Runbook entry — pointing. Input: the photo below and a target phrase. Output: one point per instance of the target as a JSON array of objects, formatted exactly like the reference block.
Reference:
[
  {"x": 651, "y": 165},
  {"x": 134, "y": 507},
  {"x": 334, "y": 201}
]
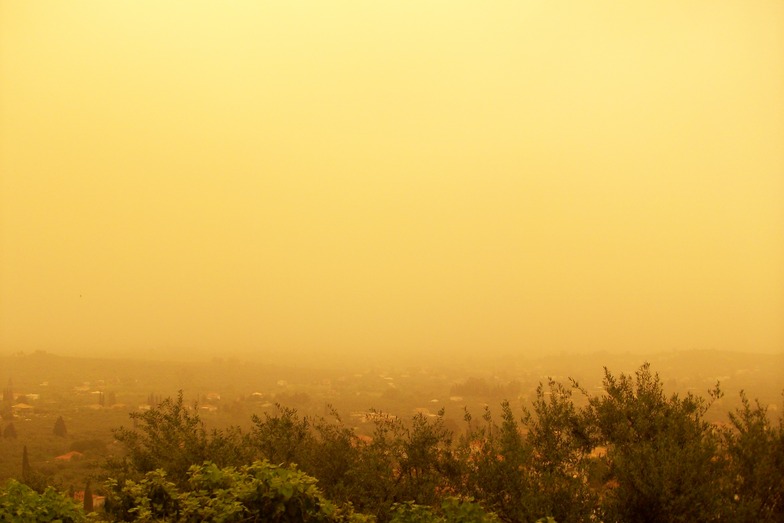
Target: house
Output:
[
  {"x": 21, "y": 408},
  {"x": 362, "y": 439},
  {"x": 424, "y": 412},
  {"x": 70, "y": 456}
]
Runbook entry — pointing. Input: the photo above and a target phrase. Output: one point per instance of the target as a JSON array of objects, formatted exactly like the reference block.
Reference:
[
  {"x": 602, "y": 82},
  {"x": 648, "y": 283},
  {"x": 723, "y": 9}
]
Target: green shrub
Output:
[
  {"x": 257, "y": 492},
  {"x": 453, "y": 510},
  {"x": 19, "y": 503}
]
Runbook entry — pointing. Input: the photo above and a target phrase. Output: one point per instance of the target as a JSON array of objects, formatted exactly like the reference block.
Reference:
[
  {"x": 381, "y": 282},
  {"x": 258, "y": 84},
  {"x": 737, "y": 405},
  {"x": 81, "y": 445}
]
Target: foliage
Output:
[
  {"x": 281, "y": 438},
  {"x": 332, "y": 453},
  {"x": 323, "y": 448},
  {"x": 26, "y": 470},
  {"x": 558, "y": 471},
  {"x": 88, "y": 498},
  {"x": 492, "y": 459},
  {"x": 10, "y": 431},
  {"x": 521, "y": 477},
  {"x": 410, "y": 512},
  {"x": 630, "y": 453},
  {"x": 19, "y": 503},
  {"x": 452, "y": 510},
  {"x": 401, "y": 463},
  {"x": 662, "y": 454},
  {"x": 257, "y": 492},
  {"x": 59, "y": 428},
  {"x": 427, "y": 459},
  {"x": 172, "y": 437},
  {"x": 756, "y": 453}
]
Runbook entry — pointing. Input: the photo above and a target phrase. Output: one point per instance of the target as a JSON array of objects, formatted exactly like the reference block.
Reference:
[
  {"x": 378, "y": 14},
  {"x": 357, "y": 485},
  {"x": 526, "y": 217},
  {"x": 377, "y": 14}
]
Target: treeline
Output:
[{"x": 631, "y": 453}]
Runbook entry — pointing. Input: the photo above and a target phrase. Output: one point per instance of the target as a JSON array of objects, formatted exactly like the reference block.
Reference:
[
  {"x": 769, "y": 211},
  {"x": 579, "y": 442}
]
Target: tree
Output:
[
  {"x": 331, "y": 456},
  {"x": 88, "y": 498},
  {"x": 59, "y": 427},
  {"x": 400, "y": 463},
  {"x": 452, "y": 510},
  {"x": 172, "y": 437},
  {"x": 283, "y": 437},
  {"x": 10, "y": 431},
  {"x": 662, "y": 454},
  {"x": 26, "y": 471},
  {"x": 525, "y": 477},
  {"x": 8, "y": 392},
  {"x": 32, "y": 478},
  {"x": 19, "y": 502},
  {"x": 559, "y": 459},
  {"x": 663, "y": 462},
  {"x": 427, "y": 461},
  {"x": 756, "y": 463},
  {"x": 8, "y": 399},
  {"x": 257, "y": 492},
  {"x": 403, "y": 462}
]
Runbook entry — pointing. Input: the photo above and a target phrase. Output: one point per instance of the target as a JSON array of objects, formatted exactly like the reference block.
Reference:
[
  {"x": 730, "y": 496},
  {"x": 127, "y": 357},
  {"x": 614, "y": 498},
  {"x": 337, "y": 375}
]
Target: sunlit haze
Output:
[{"x": 394, "y": 179}]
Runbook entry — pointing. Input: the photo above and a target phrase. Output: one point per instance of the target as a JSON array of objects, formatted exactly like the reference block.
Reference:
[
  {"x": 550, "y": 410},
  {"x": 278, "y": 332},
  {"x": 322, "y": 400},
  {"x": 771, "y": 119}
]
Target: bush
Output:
[
  {"x": 659, "y": 460},
  {"x": 59, "y": 428},
  {"x": 172, "y": 437},
  {"x": 755, "y": 448},
  {"x": 20, "y": 503},
  {"x": 663, "y": 456},
  {"x": 257, "y": 492},
  {"x": 452, "y": 510}
]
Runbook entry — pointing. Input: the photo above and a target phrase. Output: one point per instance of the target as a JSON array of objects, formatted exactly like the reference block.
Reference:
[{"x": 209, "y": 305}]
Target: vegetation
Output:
[
  {"x": 172, "y": 437},
  {"x": 257, "y": 492},
  {"x": 628, "y": 453},
  {"x": 755, "y": 458},
  {"x": 59, "y": 428},
  {"x": 10, "y": 431},
  {"x": 19, "y": 503}
]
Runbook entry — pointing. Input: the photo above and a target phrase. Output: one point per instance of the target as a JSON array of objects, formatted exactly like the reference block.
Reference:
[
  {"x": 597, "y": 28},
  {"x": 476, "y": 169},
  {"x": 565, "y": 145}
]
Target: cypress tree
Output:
[
  {"x": 10, "y": 431},
  {"x": 8, "y": 399},
  {"x": 8, "y": 392},
  {"x": 59, "y": 427},
  {"x": 88, "y": 498},
  {"x": 25, "y": 466}
]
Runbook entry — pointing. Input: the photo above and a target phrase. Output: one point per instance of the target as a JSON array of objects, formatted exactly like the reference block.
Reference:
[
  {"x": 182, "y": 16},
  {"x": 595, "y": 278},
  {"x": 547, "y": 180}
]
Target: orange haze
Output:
[{"x": 391, "y": 178}]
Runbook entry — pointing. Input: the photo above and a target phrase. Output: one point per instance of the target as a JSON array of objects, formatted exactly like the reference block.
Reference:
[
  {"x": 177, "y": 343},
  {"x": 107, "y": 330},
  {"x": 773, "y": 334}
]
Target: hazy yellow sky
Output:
[{"x": 379, "y": 177}]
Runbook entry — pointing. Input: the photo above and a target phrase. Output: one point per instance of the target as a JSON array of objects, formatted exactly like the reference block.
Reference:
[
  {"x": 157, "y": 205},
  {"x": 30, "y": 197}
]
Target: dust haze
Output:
[{"x": 338, "y": 185}]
